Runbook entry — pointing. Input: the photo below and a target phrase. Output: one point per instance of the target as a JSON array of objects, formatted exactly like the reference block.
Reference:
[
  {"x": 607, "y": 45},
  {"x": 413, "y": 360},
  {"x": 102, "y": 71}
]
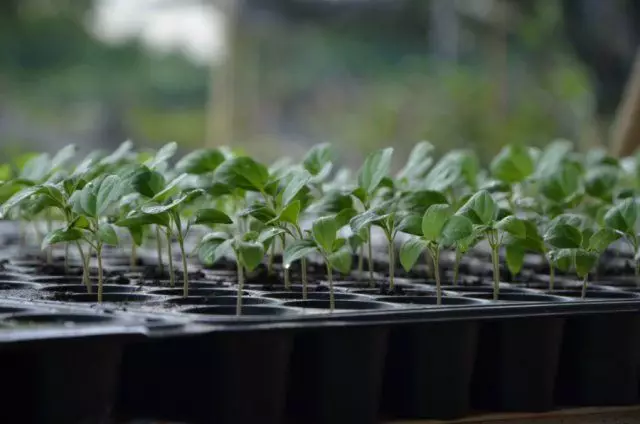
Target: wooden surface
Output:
[{"x": 616, "y": 415}]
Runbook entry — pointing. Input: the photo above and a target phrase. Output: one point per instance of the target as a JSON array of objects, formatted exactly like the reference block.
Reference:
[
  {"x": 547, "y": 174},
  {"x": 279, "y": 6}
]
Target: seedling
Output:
[
  {"x": 622, "y": 218},
  {"x": 440, "y": 227},
  {"x": 483, "y": 212},
  {"x": 323, "y": 240},
  {"x": 577, "y": 244}
]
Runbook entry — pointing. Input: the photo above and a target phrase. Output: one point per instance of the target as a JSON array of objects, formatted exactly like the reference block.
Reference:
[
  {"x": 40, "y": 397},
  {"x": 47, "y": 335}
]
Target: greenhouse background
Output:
[{"x": 275, "y": 77}]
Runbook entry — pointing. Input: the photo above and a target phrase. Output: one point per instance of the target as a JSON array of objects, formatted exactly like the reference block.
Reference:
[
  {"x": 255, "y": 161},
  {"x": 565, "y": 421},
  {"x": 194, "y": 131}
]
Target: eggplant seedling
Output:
[
  {"x": 323, "y": 240},
  {"x": 576, "y": 244},
  {"x": 483, "y": 212},
  {"x": 440, "y": 227},
  {"x": 622, "y": 218}
]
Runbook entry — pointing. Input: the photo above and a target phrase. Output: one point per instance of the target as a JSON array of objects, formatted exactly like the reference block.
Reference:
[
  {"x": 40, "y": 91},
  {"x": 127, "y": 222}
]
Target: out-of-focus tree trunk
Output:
[
  {"x": 626, "y": 130},
  {"x": 222, "y": 97}
]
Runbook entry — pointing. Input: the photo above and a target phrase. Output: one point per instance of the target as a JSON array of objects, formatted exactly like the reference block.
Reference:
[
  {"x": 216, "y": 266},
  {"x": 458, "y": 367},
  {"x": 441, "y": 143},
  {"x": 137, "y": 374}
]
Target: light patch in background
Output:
[{"x": 187, "y": 25}]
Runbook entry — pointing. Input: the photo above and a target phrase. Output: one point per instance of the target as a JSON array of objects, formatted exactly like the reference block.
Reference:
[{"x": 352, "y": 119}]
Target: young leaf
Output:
[
  {"x": 147, "y": 182},
  {"x": 584, "y": 262},
  {"x": 563, "y": 236},
  {"x": 138, "y": 219},
  {"x": 563, "y": 259},
  {"x": 107, "y": 234},
  {"x": 137, "y": 235},
  {"x": 515, "y": 258},
  {"x": 552, "y": 157},
  {"x": 562, "y": 184},
  {"x": 200, "y": 161},
  {"x": 363, "y": 220},
  {"x": 211, "y": 217},
  {"x": 623, "y": 217},
  {"x": 36, "y": 168},
  {"x": 108, "y": 192},
  {"x": 18, "y": 198},
  {"x": 512, "y": 165},
  {"x": 419, "y": 201},
  {"x": 165, "y": 153},
  {"x": 251, "y": 253},
  {"x": 213, "y": 247},
  {"x": 119, "y": 154},
  {"x": 63, "y": 156},
  {"x": 481, "y": 209},
  {"x": 374, "y": 169},
  {"x": 242, "y": 173},
  {"x": 297, "y": 181},
  {"x": 324, "y": 232},
  {"x": 318, "y": 160},
  {"x": 601, "y": 180},
  {"x": 433, "y": 221},
  {"x": 418, "y": 163},
  {"x": 62, "y": 235},
  {"x": 456, "y": 228},
  {"x": 170, "y": 190},
  {"x": 341, "y": 260},
  {"x": 601, "y": 239},
  {"x": 184, "y": 198},
  {"x": 513, "y": 226},
  {"x": 298, "y": 250},
  {"x": 410, "y": 251},
  {"x": 290, "y": 213}
]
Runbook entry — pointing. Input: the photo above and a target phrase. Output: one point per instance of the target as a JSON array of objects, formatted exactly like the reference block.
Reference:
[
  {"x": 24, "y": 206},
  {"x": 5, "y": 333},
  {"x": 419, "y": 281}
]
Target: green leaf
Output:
[
  {"x": 165, "y": 153},
  {"x": 251, "y": 253},
  {"x": 266, "y": 236},
  {"x": 365, "y": 219},
  {"x": 261, "y": 212},
  {"x": 297, "y": 181},
  {"x": 345, "y": 216},
  {"x": 481, "y": 209},
  {"x": 242, "y": 173},
  {"x": 563, "y": 259},
  {"x": 213, "y": 247},
  {"x": 37, "y": 168},
  {"x": 411, "y": 224},
  {"x": 324, "y": 232},
  {"x": 513, "y": 226},
  {"x": 200, "y": 161},
  {"x": 18, "y": 198},
  {"x": 455, "y": 168},
  {"x": 410, "y": 251},
  {"x": 551, "y": 159},
  {"x": 62, "y": 235},
  {"x": 211, "y": 216},
  {"x": 109, "y": 191},
  {"x": 601, "y": 239},
  {"x": 512, "y": 165},
  {"x": 374, "y": 169},
  {"x": 434, "y": 220},
  {"x": 119, "y": 154},
  {"x": 418, "y": 163},
  {"x": 563, "y": 236},
  {"x": 623, "y": 217},
  {"x": 137, "y": 235},
  {"x": 318, "y": 160},
  {"x": 139, "y": 219},
  {"x": 515, "y": 258},
  {"x": 601, "y": 181},
  {"x": 341, "y": 260},
  {"x": 182, "y": 200},
  {"x": 455, "y": 229},
  {"x": 63, "y": 156},
  {"x": 170, "y": 190},
  {"x": 419, "y": 201},
  {"x": 562, "y": 184},
  {"x": 290, "y": 213},
  {"x": 584, "y": 262},
  {"x": 107, "y": 235},
  {"x": 83, "y": 202},
  {"x": 297, "y": 250},
  {"x": 147, "y": 182}
]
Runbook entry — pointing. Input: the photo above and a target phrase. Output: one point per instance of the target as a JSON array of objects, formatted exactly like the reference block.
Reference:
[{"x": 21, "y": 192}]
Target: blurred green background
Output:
[{"x": 274, "y": 77}]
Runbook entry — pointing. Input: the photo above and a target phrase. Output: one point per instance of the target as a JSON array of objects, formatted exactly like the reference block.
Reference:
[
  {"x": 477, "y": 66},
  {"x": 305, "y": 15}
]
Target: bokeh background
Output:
[{"x": 274, "y": 77}]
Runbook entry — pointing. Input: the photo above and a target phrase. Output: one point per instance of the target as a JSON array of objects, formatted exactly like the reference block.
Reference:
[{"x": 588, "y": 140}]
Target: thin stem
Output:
[
  {"x": 85, "y": 268},
  {"x": 172, "y": 276},
  {"x": 272, "y": 252},
  {"x": 584, "y": 286},
  {"x": 392, "y": 264},
  {"x": 287, "y": 280},
  {"x": 552, "y": 276},
  {"x": 240, "y": 289},
  {"x": 66, "y": 258},
  {"x": 305, "y": 287},
  {"x": 332, "y": 299},
  {"x": 370, "y": 257},
  {"x": 159, "y": 250},
  {"x": 185, "y": 270},
  {"x": 361, "y": 263},
  {"x": 637, "y": 271},
  {"x": 496, "y": 265},
  {"x": 134, "y": 255},
  {"x": 99, "y": 254},
  {"x": 456, "y": 267},
  {"x": 435, "y": 253},
  {"x": 49, "y": 229}
]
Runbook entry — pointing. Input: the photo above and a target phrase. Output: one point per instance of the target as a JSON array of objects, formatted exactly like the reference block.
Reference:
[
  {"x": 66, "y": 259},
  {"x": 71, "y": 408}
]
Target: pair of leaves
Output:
[
  {"x": 340, "y": 259},
  {"x": 623, "y": 217},
  {"x": 106, "y": 234},
  {"x": 374, "y": 170},
  {"x": 442, "y": 227},
  {"x": 95, "y": 198},
  {"x": 512, "y": 165},
  {"x": 582, "y": 260},
  {"x": 200, "y": 161},
  {"x": 242, "y": 173}
]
